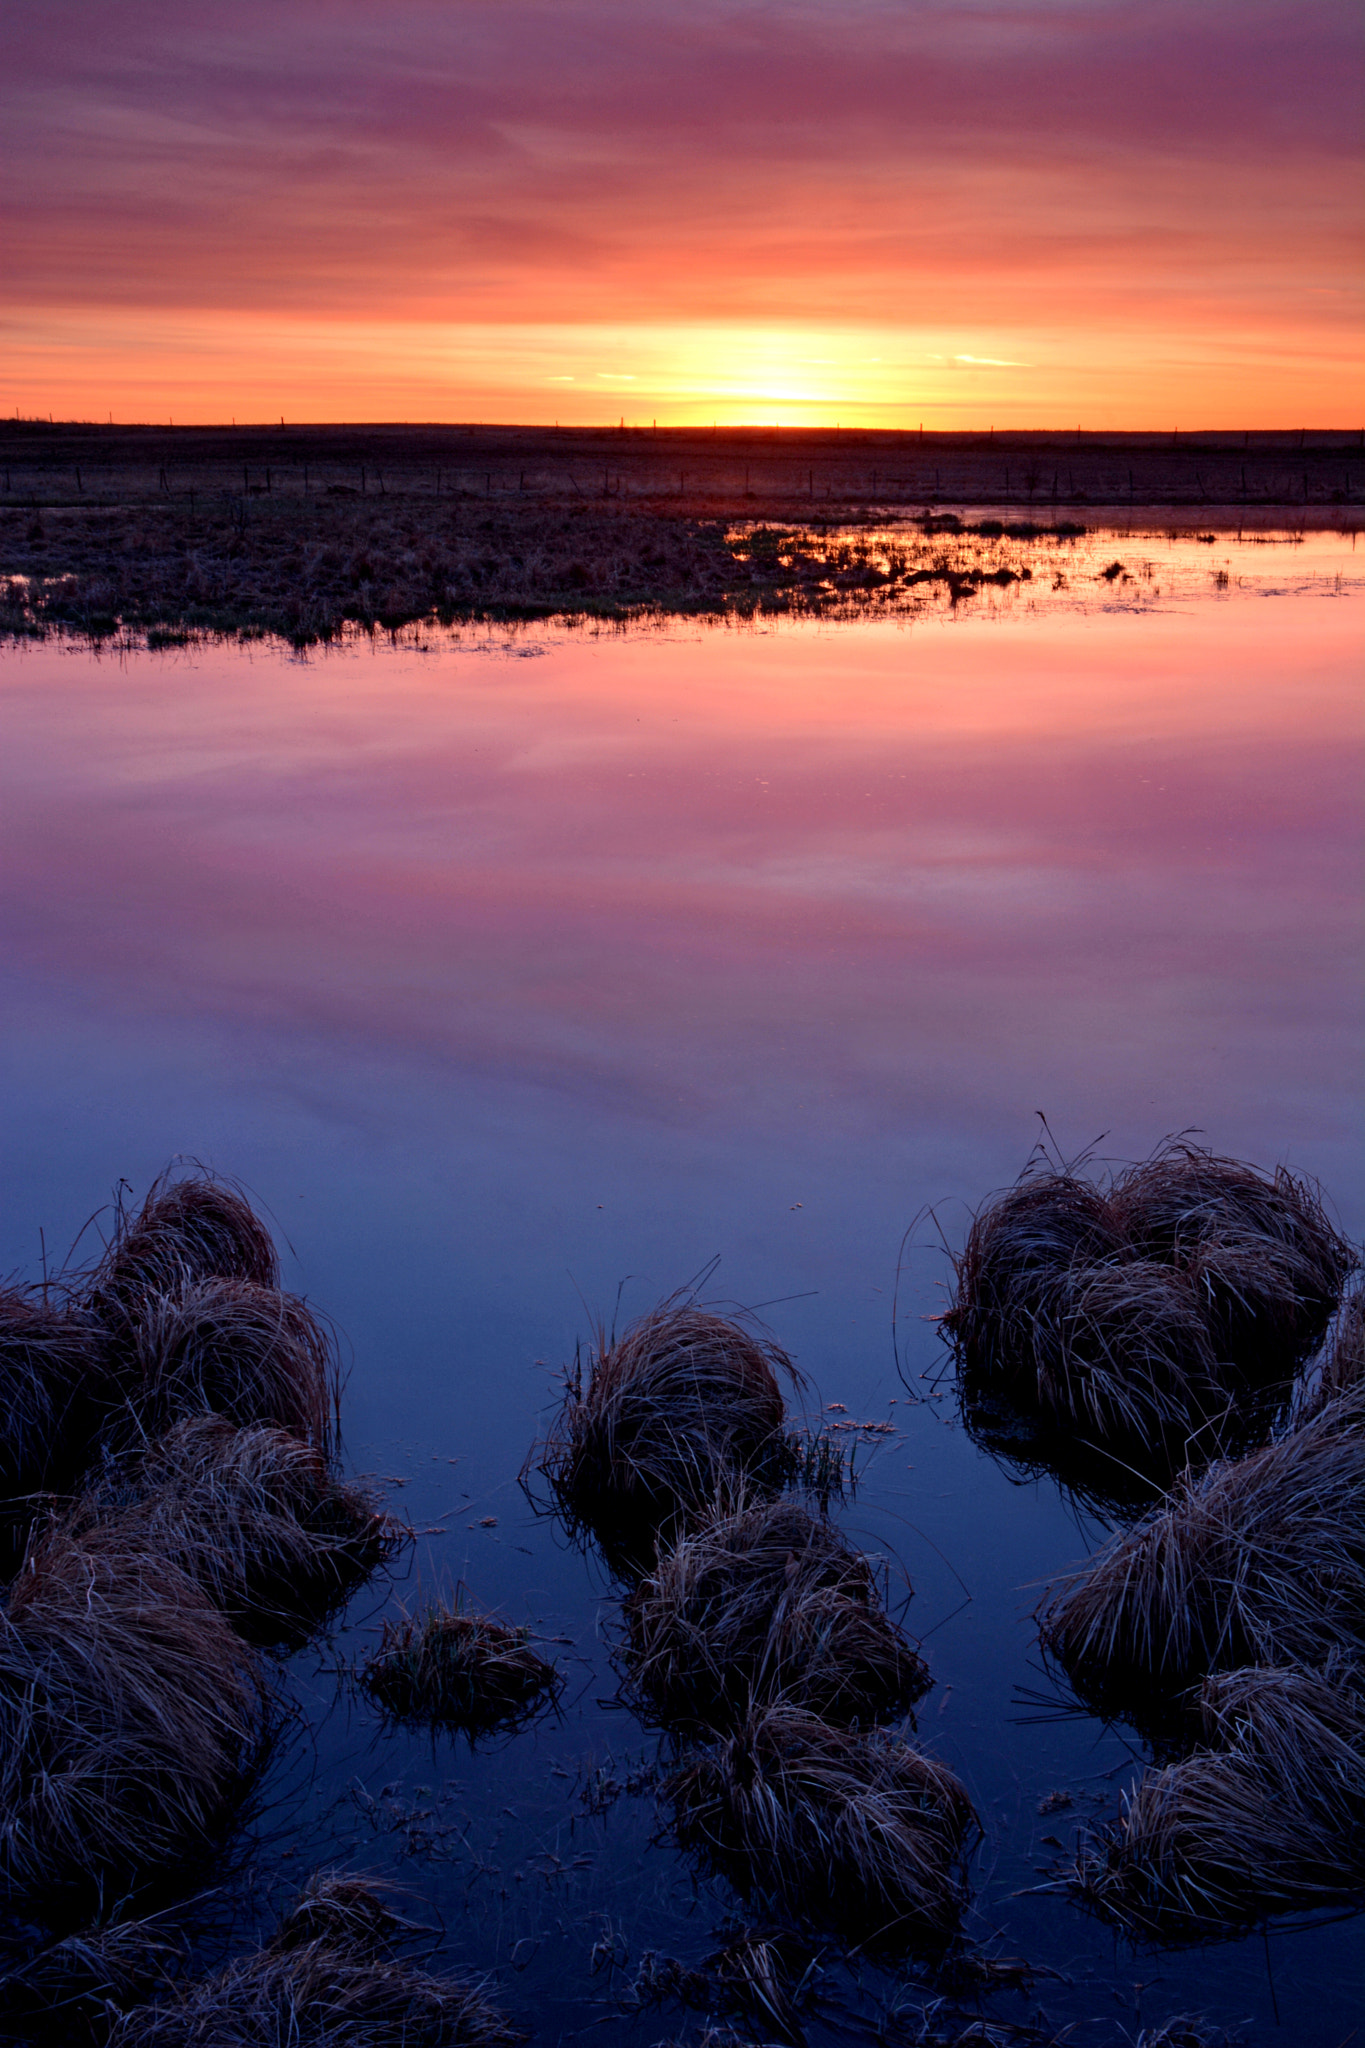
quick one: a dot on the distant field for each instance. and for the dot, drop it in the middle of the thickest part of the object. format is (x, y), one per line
(299, 530)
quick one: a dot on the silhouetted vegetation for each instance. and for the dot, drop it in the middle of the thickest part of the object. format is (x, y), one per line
(171, 1501)
(856, 1835)
(332, 1977)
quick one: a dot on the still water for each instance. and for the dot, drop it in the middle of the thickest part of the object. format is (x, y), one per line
(514, 973)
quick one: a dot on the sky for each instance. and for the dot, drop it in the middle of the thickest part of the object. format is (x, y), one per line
(1128, 213)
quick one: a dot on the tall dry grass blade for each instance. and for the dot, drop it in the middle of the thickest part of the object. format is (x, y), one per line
(763, 1605)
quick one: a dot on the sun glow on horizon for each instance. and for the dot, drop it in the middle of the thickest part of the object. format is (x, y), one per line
(1131, 217)
(209, 366)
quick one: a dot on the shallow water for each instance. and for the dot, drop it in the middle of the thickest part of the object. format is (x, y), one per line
(516, 972)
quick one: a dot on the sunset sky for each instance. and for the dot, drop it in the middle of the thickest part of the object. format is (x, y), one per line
(1135, 213)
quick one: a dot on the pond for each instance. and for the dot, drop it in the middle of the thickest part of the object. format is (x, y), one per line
(522, 975)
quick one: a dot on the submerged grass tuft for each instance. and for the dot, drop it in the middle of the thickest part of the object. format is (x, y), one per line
(815, 1462)
(459, 1670)
(765, 1605)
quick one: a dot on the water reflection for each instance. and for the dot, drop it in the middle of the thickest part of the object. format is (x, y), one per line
(733, 875)
(499, 979)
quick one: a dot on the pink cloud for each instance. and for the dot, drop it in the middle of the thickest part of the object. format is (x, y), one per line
(598, 160)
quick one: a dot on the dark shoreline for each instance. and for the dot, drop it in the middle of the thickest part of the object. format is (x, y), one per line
(306, 533)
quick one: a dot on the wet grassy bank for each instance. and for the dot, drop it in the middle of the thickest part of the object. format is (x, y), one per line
(302, 532)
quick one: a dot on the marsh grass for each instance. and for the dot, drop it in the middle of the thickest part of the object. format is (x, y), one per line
(69, 1989)
(188, 1291)
(255, 1517)
(1342, 1377)
(189, 1229)
(227, 1347)
(1268, 1818)
(681, 1412)
(817, 1464)
(762, 1606)
(54, 1388)
(1262, 1253)
(131, 1716)
(767, 1976)
(332, 1977)
(857, 1836)
(452, 1669)
(1118, 1333)
(1256, 1561)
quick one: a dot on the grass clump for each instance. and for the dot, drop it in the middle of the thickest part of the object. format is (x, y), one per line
(763, 1605)
(130, 1714)
(67, 1989)
(682, 1410)
(1260, 1251)
(231, 1348)
(54, 1386)
(332, 1977)
(1259, 1560)
(458, 1670)
(189, 1292)
(1342, 1378)
(1268, 1818)
(188, 1230)
(1118, 1333)
(857, 1836)
(254, 1516)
